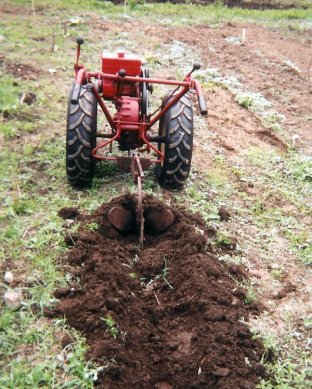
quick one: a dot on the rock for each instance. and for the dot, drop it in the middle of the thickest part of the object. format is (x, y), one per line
(71, 239)
(280, 294)
(69, 213)
(63, 292)
(2, 38)
(60, 357)
(12, 299)
(75, 21)
(8, 277)
(230, 243)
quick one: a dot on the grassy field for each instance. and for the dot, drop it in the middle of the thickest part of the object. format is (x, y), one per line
(33, 186)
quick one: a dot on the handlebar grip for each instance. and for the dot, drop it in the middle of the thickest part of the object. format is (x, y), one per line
(202, 105)
(75, 94)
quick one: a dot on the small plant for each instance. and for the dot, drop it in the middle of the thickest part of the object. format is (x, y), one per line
(9, 103)
(270, 344)
(276, 273)
(223, 239)
(250, 295)
(164, 273)
(245, 101)
(111, 325)
(161, 276)
(93, 226)
(22, 207)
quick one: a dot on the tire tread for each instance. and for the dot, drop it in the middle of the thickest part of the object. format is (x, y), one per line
(177, 126)
(81, 138)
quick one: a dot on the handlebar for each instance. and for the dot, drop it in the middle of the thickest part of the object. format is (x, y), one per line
(202, 105)
(201, 99)
(75, 94)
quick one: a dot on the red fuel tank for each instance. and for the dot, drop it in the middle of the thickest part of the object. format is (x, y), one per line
(112, 63)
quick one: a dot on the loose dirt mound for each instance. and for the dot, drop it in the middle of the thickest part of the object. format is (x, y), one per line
(164, 316)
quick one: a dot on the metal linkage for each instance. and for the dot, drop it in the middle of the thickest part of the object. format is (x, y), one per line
(124, 219)
(138, 175)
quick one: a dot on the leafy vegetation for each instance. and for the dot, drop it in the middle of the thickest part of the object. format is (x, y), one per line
(168, 13)
(111, 325)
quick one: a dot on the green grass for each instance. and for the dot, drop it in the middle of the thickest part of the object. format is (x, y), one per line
(9, 102)
(286, 372)
(172, 14)
(24, 337)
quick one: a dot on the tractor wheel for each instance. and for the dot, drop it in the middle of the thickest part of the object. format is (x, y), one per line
(81, 138)
(177, 128)
(144, 87)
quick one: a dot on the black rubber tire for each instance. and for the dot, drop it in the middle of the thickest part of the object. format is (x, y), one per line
(144, 93)
(81, 138)
(177, 128)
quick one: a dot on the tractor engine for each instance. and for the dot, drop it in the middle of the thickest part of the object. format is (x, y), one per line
(117, 64)
(125, 95)
(128, 114)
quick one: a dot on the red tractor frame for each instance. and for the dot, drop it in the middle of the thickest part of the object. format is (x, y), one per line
(125, 82)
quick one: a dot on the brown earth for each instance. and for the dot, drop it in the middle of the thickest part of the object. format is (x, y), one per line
(179, 315)
(276, 64)
(261, 65)
(19, 69)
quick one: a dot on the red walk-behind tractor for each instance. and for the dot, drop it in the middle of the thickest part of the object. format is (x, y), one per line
(124, 81)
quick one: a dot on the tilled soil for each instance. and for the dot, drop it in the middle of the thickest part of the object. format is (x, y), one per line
(167, 315)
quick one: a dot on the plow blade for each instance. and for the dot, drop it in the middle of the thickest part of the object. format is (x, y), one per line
(159, 220)
(121, 219)
(155, 220)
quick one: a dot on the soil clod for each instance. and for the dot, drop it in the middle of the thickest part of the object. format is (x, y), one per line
(224, 213)
(69, 213)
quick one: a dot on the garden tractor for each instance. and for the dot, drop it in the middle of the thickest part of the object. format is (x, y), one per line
(124, 83)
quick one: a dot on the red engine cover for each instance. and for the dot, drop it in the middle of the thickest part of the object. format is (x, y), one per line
(109, 88)
(128, 113)
(112, 63)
